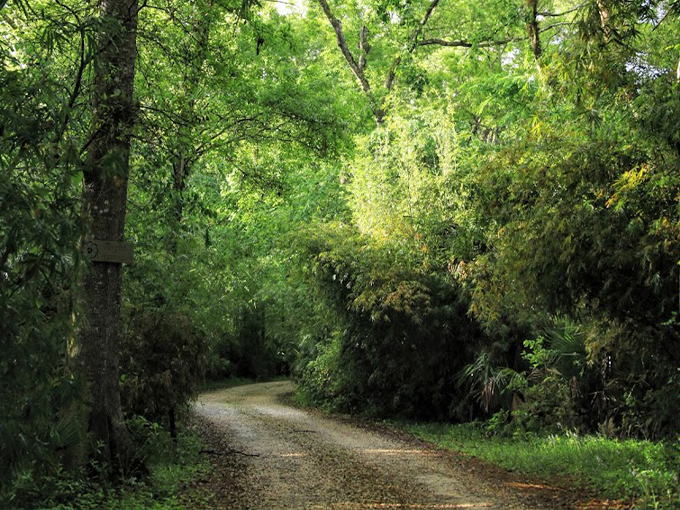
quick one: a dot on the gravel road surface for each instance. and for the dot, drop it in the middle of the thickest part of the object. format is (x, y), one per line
(269, 455)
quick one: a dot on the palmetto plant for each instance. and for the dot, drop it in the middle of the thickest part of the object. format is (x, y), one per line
(561, 348)
(489, 383)
(559, 351)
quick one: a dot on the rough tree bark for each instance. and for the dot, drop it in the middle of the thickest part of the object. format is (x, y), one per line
(104, 206)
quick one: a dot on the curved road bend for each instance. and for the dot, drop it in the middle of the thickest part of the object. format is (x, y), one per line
(279, 458)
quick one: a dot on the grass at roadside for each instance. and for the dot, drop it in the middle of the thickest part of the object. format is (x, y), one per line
(170, 468)
(644, 471)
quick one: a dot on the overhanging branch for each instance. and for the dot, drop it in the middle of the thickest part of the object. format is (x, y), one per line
(463, 43)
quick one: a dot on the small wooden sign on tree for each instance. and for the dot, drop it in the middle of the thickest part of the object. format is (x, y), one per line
(117, 252)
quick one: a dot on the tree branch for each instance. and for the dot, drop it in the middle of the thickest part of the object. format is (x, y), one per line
(389, 79)
(229, 452)
(416, 33)
(554, 25)
(463, 43)
(670, 9)
(358, 68)
(84, 61)
(533, 30)
(364, 47)
(342, 44)
(413, 44)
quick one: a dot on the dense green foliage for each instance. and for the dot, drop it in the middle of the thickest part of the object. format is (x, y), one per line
(542, 192)
(41, 427)
(465, 211)
(398, 351)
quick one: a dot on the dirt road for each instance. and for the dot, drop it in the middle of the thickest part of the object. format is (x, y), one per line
(268, 455)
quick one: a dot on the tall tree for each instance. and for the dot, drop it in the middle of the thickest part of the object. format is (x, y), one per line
(104, 204)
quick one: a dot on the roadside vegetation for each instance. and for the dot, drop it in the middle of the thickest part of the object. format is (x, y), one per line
(644, 473)
(168, 467)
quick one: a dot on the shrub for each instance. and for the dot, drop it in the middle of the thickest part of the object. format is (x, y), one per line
(162, 363)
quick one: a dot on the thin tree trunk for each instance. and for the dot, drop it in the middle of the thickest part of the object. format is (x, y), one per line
(532, 28)
(104, 206)
(180, 171)
(173, 425)
(605, 19)
(185, 152)
(356, 68)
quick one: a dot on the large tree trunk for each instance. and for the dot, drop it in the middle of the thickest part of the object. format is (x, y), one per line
(104, 206)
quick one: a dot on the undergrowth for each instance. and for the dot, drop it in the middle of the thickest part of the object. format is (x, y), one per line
(644, 472)
(169, 467)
